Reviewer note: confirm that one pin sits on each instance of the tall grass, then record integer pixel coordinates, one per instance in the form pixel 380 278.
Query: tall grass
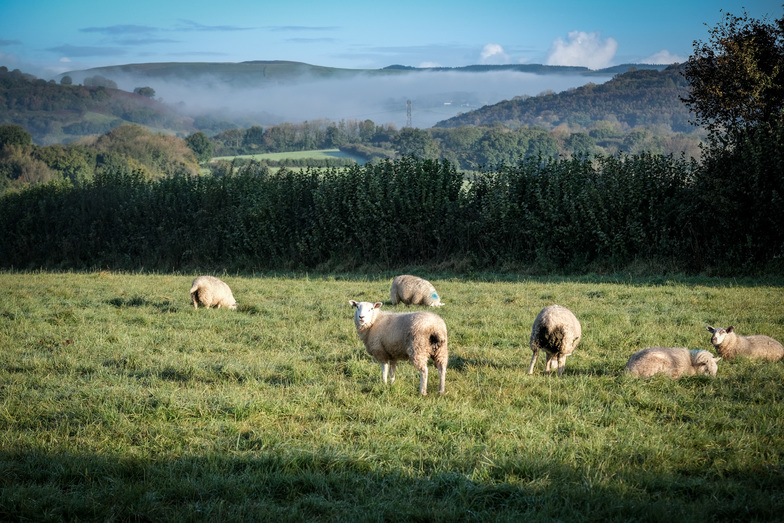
pixel 118 400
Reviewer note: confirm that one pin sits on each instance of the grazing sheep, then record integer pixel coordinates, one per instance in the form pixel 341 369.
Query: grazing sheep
pixel 412 290
pixel 390 337
pixel 729 345
pixel 210 291
pixel 675 361
pixel 557 331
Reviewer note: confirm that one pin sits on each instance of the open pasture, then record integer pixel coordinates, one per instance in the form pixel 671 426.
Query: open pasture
pixel 320 154
pixel 119 401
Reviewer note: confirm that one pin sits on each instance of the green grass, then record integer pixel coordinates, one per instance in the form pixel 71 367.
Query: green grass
pixel 319 154
pixel 119 401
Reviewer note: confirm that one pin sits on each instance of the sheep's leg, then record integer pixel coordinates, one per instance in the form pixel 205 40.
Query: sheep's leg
pixel 550 364
pixel 441 378
pixel 533 361
pixel 384 371
pixel 392 368
pixel 423 381
pixel 561 363
pixel 195 301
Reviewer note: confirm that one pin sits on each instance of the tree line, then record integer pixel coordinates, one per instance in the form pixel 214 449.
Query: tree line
pixel 543 214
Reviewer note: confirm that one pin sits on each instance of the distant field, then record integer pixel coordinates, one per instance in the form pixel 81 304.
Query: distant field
pixel 319 154
pixel 120 402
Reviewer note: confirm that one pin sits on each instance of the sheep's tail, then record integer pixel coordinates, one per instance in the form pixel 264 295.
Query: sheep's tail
pixel 438 345
pixel 194 288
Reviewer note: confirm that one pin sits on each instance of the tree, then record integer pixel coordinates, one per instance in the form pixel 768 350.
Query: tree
pixel 413 141
pixel 99 81
pixel 737 77
pixel 66 80
pixel 201 146
pixel 14 135
pixel 149 92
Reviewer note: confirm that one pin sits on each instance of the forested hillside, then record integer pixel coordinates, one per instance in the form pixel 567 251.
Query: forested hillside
pixel 643 97
pixel 57 113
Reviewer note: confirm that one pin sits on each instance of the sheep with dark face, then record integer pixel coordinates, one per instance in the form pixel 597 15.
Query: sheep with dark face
pixel 729 345
pixel 557 332
pixel 415 336
pixel 413 290
pixel 673 361
pixel 211 292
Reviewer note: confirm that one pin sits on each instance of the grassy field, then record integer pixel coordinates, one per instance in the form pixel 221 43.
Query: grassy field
pixel 320 154
pixel 119 401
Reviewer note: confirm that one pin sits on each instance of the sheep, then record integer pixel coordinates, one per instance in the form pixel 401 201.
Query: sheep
pixel 390 337
pixel 729 345
pixel 412 290
pixel 210 291
pixel 557 331
pixel 675 361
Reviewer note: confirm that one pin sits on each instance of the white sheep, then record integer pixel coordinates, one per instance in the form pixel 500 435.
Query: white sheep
pixel 729 345
pixel 210 291
pixel 390 337
pixel 556 331
pixel 412 290
pixel 674 361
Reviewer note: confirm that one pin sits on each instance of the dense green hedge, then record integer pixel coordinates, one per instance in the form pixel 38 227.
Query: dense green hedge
pixel 550 215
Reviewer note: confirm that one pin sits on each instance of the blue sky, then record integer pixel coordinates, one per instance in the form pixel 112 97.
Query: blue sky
pixel 47 37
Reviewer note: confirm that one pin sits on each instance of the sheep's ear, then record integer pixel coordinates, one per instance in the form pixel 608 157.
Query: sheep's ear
pixel 730 328
pixel 717 359
pixel 377 305
pixel 352 303
pixel 710 329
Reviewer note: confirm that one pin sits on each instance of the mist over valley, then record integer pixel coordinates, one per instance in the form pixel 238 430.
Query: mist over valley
pixel 268 93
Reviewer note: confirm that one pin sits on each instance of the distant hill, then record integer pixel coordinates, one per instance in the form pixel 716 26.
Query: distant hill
pixel 253 73
pixel 269 92
pixel 636 97
pixel 56 113
pixel 182 98
pixel 264 72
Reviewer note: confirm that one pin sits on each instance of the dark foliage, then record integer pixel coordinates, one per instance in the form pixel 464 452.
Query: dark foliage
pixel 543 214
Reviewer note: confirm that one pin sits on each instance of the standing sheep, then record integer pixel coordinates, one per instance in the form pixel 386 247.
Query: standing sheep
pixel 556 331
pixel 729 345
pixel 415 336
pixel 210 291
pixel 412 290
pixel 675 361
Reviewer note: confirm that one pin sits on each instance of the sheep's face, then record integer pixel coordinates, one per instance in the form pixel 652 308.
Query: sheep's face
pixel 704 363
pixel 365 314
pixel 719 334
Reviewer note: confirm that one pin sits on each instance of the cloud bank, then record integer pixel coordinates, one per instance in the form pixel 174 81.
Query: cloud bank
pixel 493 54
pixel 583 49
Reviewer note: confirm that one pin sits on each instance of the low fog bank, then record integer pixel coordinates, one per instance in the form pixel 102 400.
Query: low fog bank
pixel 434 96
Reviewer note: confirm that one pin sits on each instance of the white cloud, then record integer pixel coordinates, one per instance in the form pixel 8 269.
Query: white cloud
pixel 583 49
pixel 65 59
pixel 425 65
pixel 494 54
pixel 663 57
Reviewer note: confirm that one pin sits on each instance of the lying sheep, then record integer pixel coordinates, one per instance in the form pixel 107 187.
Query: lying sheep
pixel 390 337
pixel 210 291
pixel 412 290
pixel 674 361
pixel 556 331
pixel 729 345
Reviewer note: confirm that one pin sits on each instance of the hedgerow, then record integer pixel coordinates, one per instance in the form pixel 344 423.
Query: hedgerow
pixel 543 214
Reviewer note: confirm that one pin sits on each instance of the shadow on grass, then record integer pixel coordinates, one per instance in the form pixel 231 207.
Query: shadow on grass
pixel 141 301
pixel 326 485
